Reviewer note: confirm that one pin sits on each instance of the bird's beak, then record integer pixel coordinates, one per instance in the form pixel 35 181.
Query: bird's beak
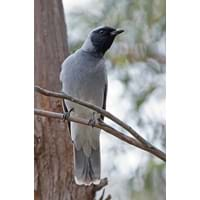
pixel 117 32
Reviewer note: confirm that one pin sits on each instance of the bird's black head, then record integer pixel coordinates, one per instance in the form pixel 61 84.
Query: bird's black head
pixel 103 37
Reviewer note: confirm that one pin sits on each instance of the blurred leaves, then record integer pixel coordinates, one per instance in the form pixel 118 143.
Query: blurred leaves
pixel 152 179
pixel 143 96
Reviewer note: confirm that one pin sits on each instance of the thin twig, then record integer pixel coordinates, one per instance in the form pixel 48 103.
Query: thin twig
pixel 100 125
pixel 102 195
pixel 107 114
pixel 108 197
pixel 101 185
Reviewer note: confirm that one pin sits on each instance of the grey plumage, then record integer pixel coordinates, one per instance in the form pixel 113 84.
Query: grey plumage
pixel 84 76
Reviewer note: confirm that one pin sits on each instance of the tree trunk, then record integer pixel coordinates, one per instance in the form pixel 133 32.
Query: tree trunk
pixel 53 148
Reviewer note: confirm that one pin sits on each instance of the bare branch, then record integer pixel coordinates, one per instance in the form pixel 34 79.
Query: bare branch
pixel 146 145
pixel 100 125
pixel 102 195
pixel 108 197
pixel 101 185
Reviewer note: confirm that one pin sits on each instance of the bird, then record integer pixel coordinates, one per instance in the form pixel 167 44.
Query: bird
pixel 83 75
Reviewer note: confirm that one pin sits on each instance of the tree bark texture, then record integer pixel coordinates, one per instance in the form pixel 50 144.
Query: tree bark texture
pixel 53 148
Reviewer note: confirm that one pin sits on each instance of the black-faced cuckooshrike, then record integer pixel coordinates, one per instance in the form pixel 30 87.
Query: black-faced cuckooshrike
pixel 84 76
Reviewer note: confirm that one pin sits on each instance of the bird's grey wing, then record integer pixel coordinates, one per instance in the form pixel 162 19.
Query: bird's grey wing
pixel 104 99
pixel 66 110
pixel 65 70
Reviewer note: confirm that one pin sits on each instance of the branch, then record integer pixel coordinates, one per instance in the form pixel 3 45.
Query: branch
pixel 101 185
pixel 108 197
pixel 107 114
pixel 102 195
pixel 100 125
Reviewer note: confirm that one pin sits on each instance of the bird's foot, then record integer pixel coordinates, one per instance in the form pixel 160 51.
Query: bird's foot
pixel 92 122
pixel 100 120
pixel 66 115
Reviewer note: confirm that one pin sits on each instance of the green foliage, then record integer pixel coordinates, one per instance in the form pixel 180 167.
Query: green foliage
pixel 142 98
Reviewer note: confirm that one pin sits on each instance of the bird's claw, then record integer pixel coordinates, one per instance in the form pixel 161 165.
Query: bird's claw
pixel 92 121
pixel 100 120
pixel 66 115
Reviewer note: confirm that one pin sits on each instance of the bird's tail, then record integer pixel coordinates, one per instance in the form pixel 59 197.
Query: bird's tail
pixel 87 168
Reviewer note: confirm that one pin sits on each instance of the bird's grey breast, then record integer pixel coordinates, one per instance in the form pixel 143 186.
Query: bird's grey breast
pixel 84 77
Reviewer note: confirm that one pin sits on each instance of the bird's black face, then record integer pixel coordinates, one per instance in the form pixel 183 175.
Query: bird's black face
pixel 102 38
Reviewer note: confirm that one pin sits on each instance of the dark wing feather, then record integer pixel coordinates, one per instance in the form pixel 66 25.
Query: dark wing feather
pixel 66 110
pixel 104 99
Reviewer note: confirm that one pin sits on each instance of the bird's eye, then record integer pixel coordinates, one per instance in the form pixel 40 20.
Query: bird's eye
pixel 101 31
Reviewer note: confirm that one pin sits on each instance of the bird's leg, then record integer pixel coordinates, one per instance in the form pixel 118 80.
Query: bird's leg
pixel 66 115
pixel 100 120
pixel 92 121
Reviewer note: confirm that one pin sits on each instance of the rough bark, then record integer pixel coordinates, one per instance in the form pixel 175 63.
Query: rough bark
pixel 53 148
